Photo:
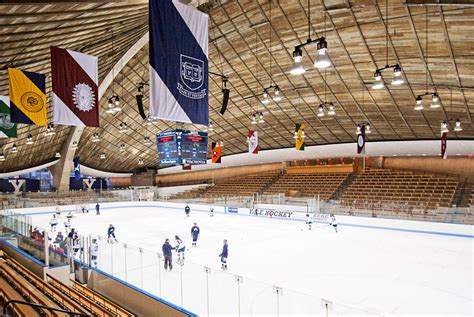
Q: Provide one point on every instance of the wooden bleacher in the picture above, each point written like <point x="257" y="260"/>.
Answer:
<point x="244" y="185"/>
<point x="19" y="283"/>
<point x="385" y="187"/>
<point x="308" y="185"/>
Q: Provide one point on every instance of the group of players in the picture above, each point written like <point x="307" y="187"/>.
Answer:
<point x="180" y="247"/>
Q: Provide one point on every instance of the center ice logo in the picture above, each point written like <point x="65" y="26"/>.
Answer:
<point x="192" y="77"/>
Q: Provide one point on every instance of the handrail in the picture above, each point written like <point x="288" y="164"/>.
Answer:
<point x="15" y="301"/>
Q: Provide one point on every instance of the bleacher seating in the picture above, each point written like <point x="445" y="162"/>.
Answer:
<point x="385" y="187"/>
<point x="471" y="200"/>
<point x="307" y="185"/>
<point x="244" y="185"/>
<point x="21" y="284"/>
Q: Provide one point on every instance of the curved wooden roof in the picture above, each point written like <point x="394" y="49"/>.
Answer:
<point x="240" y="41"/>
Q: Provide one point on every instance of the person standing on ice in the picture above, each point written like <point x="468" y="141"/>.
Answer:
<point x="187" y="210"/>
<point x="333" y="222"/>
<point x="167" y="248"/>
<point x="97" y="209"/>
<point x="211" y="212"/>
<point x="195" y="234"/>
<point x="180" y="248"/>
<point x="308" y="221"/>
<point x="53" y="223"/>
<point x="224" y="254"/>
<point x="111" y="234"/>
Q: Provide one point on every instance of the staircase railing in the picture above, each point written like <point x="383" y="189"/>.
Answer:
<point x="19" y="302"/>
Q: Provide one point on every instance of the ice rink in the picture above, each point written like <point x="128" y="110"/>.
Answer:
<point x="361" y="270"/>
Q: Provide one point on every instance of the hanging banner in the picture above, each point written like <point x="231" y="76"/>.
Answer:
<point x="216" y="152"/>
<point x="361" y="141"/>
<point x="7" y="128"/>
<point x="444" y="146"/>
<point x="178" y="62"/>
<point x="77" y="168"/>
<point x="252" y="138"/>
<point x="27" y="92"/>
<point x="299" y="129"/>
<point x="75" y="89"/>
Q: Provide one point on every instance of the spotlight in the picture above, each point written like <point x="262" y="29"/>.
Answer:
<point x="297" y="68"/>
<point x="444" y="127"/>
<point x="397" y="76"/>
<point x="123" y="127"/>
<point x="321" y="111"/>
<point x="378" y="84"/>
<point x="265" y="100"/>
<point x="140" y="162"/>
<point x="358" y="131"/>
<point x="29" y="139"/>
<point x="102" y="156"/>
<point x="322" y="60"/>
<point x="458" y="127"/>
<point x="110" y="107"/>
<point x="146" y="140"/>
<point x="122" y="147"/>
<point x="74" y="145"/>
<point x="261" y="118"/>
<point x="50" y="130"/>
<point x="253" y="120"/>
<point x="295" y="136"/>
<point x="367" y="128"/>
<point x="435" y="101"/>
<point x="14" y="149"/>
<point x="276" y="95"/>
<point x="419" y="103"/>
<point x="331" y="111"/>
<point x="95" y="137"/>
<point x="211" y="127"/>
<point x="57" y="155"/>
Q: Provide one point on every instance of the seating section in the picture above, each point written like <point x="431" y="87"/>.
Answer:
<point x="382" y="188"/>
<point x="21" y="284"/>
<point x="307" y="185"/>
<point x="244" y="185"/>
<point x="471" y="200"/>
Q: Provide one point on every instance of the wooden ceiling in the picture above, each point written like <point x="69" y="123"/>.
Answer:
<point x="254" y="54"/>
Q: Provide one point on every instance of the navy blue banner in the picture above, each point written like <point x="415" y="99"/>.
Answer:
<point x="178" y="62"/>
<point x="77" y="168"/>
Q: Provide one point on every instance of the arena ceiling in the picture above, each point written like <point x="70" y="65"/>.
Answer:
<point x="254" y="54"/>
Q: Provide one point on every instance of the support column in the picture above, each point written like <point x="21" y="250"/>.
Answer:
<point x="62" y="169"/>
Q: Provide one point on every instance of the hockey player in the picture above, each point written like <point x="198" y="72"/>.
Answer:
<point x="67" y="226"/>
<point x="111" y="234"/>
<point x="195" y="234"/>
<point x="53" y="223"/>
<point x="180" y="248"/>
<point x="308" y="221"/>
<point x="333" y="222"/>
<point x="76" y="243"/>
<point x="187" y="210"/>
<point x="224" y="254"/>
<point x="59" y="238"/>
<point x="69" y="216"/>
<point x="167" y="248"/>
<point x="84" y="209"/>
<point x="58" y="212"/>
<point x="94" y="252"/>
<point x="211" y="212"/>
<point x="97" y="209"/>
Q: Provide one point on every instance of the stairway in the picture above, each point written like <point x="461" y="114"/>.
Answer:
<point x="344" y="185"/>
<point x="270" y="183"/>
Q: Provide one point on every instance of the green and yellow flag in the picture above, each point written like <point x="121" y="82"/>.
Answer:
<point x="27" y="97"/>
<point x="299" y="136"/>
<point x="7" y="128"/>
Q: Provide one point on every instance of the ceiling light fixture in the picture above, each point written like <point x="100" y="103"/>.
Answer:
<point x="29" y="139"/>
<point x="140" y="162"/>
<point x="74" y="145"/>
<point x="211" y="127"/>
<point x="253" y="119"/>
<point x="57" y="155"/>
<point x="419" y="103"/>
<point x="14" y="148"/>
<point x="2" y="157"/>
<point x="321" y="111"/>
<point x="50" y="130"/>
<point x="123" y="127"/>
<point x="110" y="106"/>
<point x="260" y="118"/>
<point x="366" y="127"/>
<point x="102" y="156"/>
<point x="95" y="137"/>
<point x="117" y="107"/>
<point x="322" y="60"/>
<point x="122" y="147"/>
<point x="457" y="126"/>
<point x="444" y="127"/>
<point x="146" y="140"/>
<point x="276" y="94"/>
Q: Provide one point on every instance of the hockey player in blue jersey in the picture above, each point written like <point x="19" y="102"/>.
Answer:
<point x="195" y="234"/>
<point x="180" y="248"/>
<point x="111" y="234"/>
<point x="224" y="254"/>
<point x="187" y="210"/>
<point x="333" y="222"/>
<point x="308" y="221"/>
<point x="167" y="248"/>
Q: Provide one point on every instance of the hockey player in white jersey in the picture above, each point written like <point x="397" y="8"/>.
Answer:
<point x="333" y="222"/>
<point x="180" y="248"/>
<point x="53" y="223"/>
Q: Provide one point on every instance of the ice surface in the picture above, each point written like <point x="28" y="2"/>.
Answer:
<point x="362" y="271"/>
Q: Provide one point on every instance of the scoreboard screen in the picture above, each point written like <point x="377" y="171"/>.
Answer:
<point x="180" y="147"/>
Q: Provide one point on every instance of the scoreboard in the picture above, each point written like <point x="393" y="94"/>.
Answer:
<point x="179" y="147"/>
